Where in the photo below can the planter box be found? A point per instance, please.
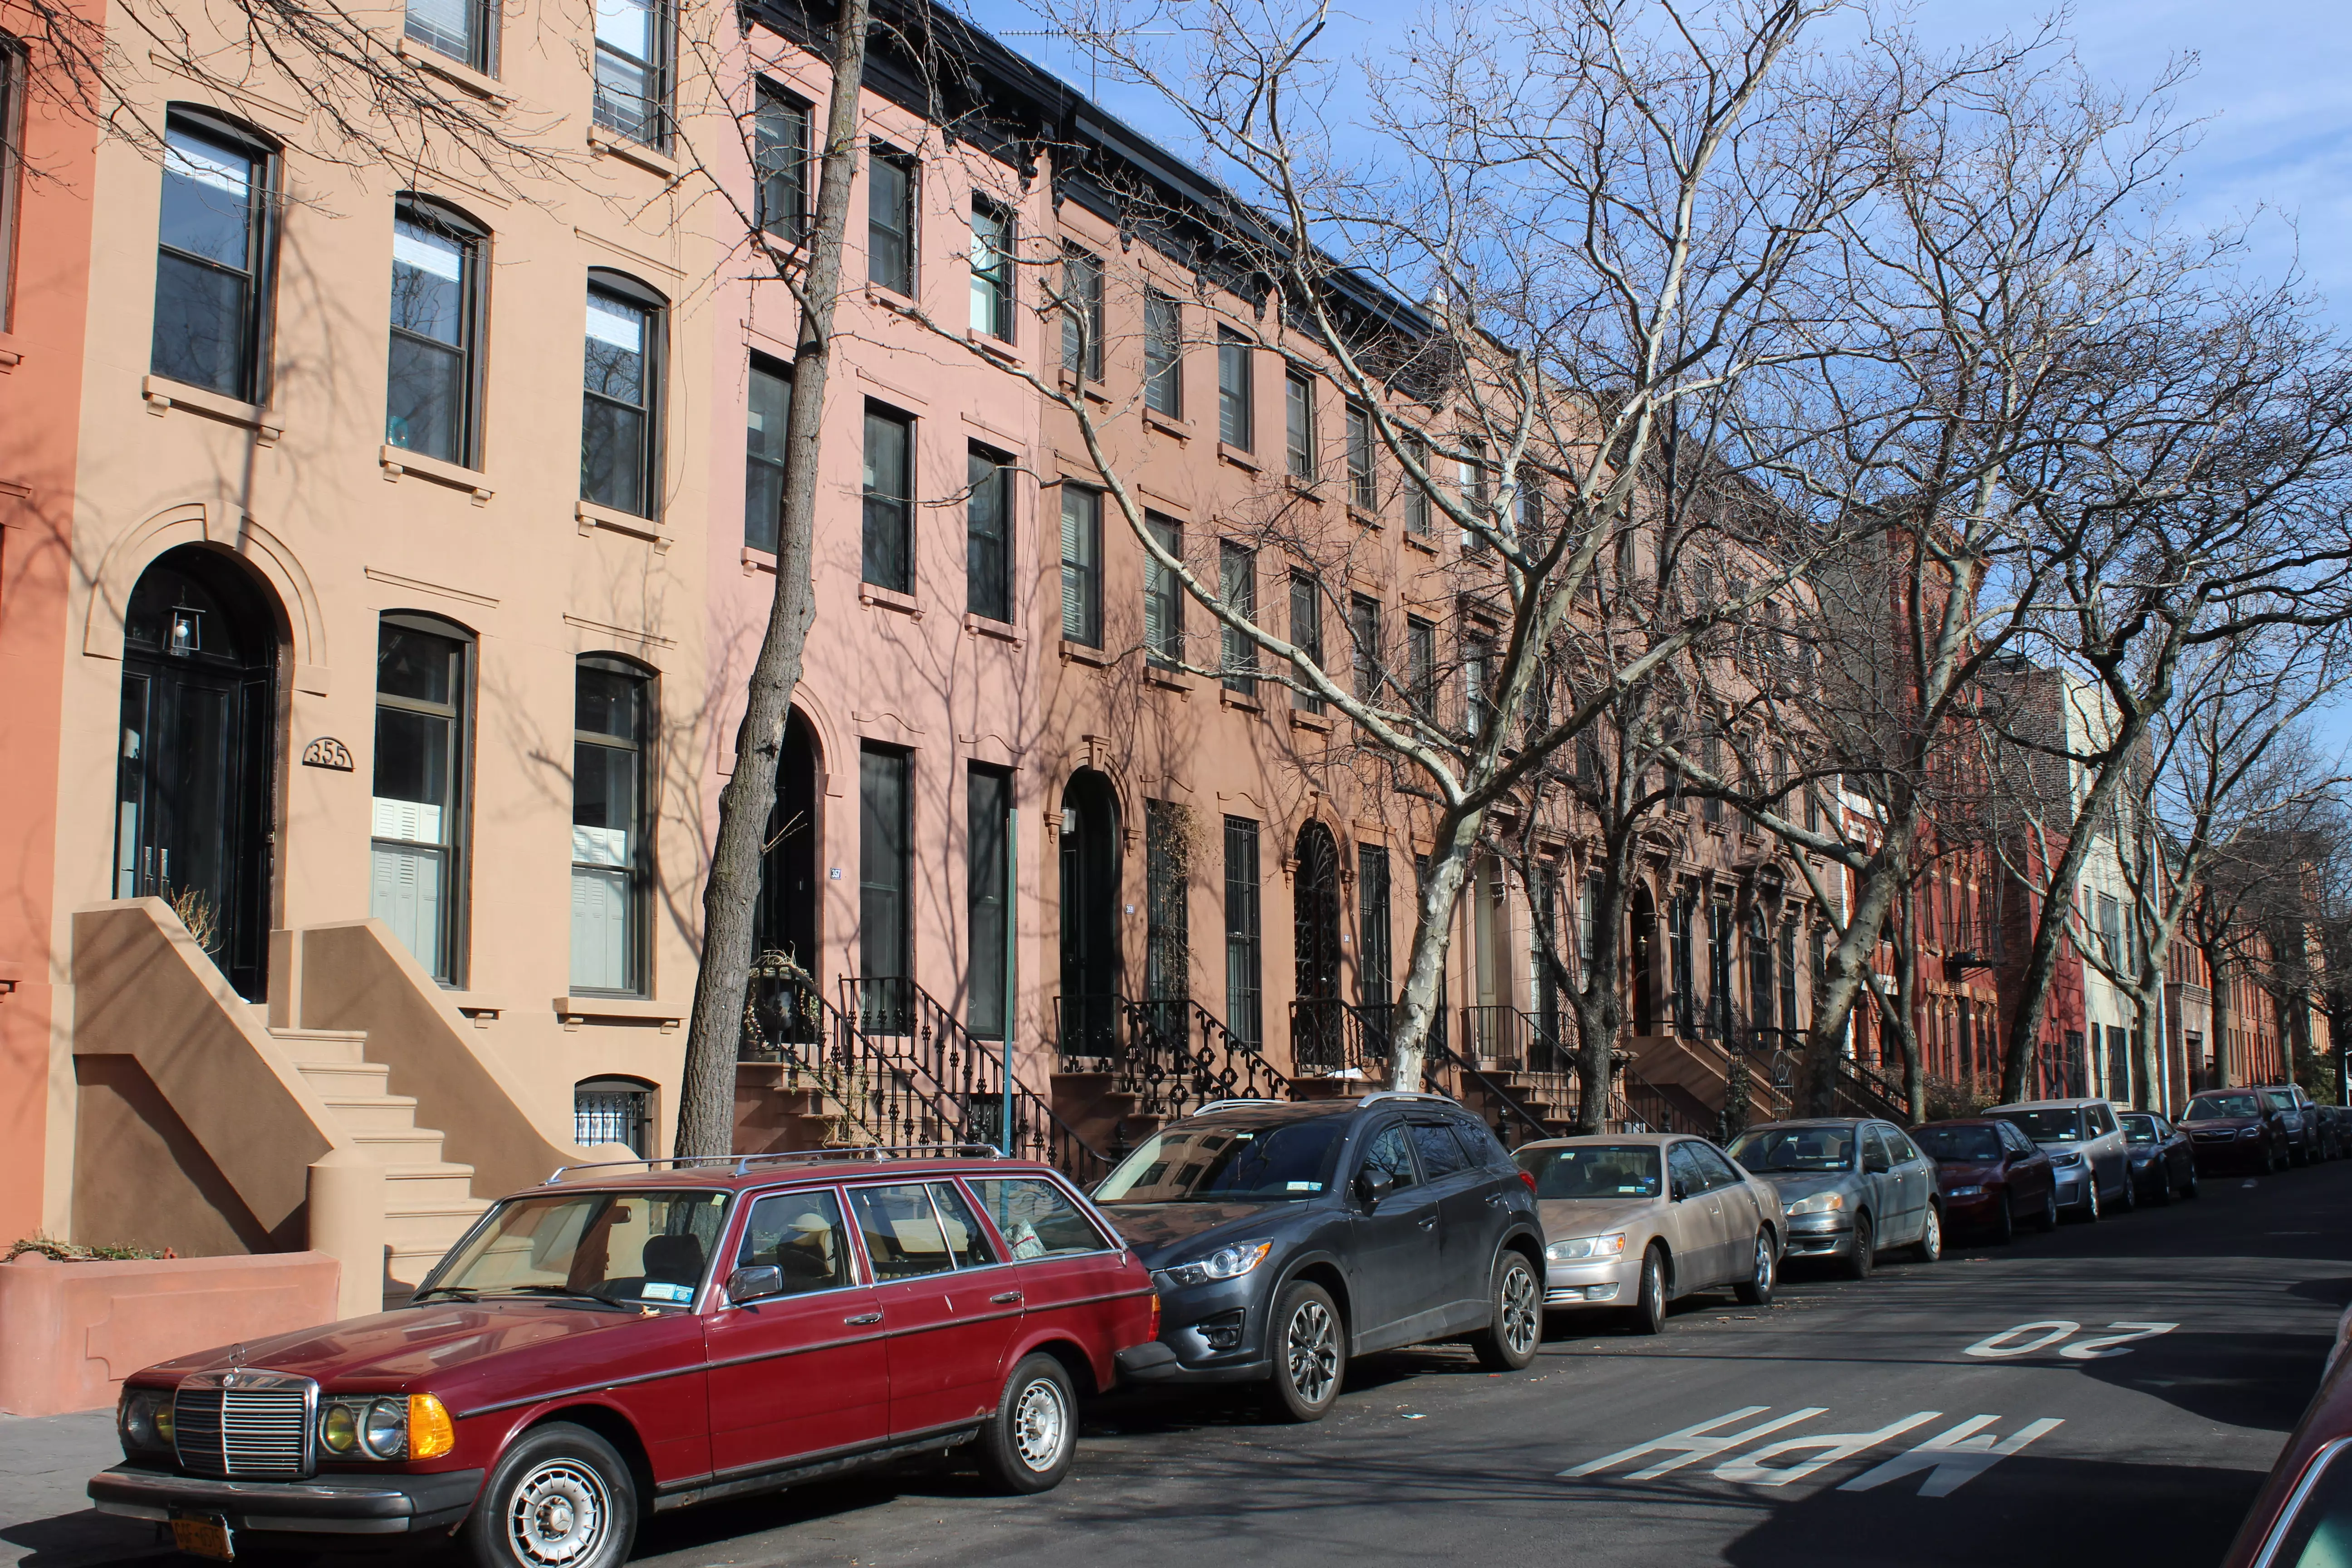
(70, 1332)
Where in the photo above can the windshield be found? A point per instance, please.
(2138, 1128)
(1960, 1143)
(1776, 1148)
(1593, 1170)
(623, 1246)
(1281, 1163)
(2048, 1126)
(2213, 1107)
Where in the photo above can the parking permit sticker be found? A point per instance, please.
(656, 1290)
(1303, 1186)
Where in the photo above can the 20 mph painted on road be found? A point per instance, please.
(2051, 1330)
(1951, 1458)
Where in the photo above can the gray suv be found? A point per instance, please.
(2086, 1148)
(1286, 1237)
(1848, 1189)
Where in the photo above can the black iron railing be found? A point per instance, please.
(1331, 1036)
(1178, 1056)
(1516, 1122)
(1087, 1028)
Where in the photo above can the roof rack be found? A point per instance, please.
(1230, 1104)
(1381, 1094)
(742, 1163)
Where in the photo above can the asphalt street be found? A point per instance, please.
(2112, 1393)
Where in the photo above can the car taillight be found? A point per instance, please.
(1155, 1314)
(1529, 1180)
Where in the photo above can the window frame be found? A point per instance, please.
(621, 288)
(1237, 392)
(998, 868)
(1082, 312)
(769, 96)
(1245, 913)
(998, 279)
(642, 866)
(423, 212)
(1307, 594)
(1363, 467)
(646, 1094)
(661, 109)
(1000, 476)
(1163, 596)
(262, 230)
(1418, 519)
(1163, 355)
(1086, 627)
(481, 53)
(1420, 665)
(456, 931)
(1237, 654)
(14, 75)
(869, 498)
(1364, 635)
(881, 154)
(760, 364)
(1298, 426)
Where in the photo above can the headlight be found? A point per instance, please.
(364, 1427)
(1819, 1202)
(2066, 1162)
(1964, 1192)
(339, 1430)
(145, 1419)
(1225, 1263)
(1584, 1248)
(385, 1431)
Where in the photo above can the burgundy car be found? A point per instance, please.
(616, 1342)
(1991, 1176)
(2303, 1516)
(2232, 1128)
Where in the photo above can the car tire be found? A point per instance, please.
(2131, 1191)
(2190, 1191)
(1028, 1443)
(1649, 1313)
(2004, 1225)
(2164, 1192)
(1930, 1245)
(2091, 1215)
(1865, 1257)
(559, 1495)
(1310, 1353)
(2270, 1161)
(1516, 1334)
(1756, 1290)
(2047, 1220)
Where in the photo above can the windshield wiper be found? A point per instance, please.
(456, 1293)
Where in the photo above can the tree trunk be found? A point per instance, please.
(1906, 1012)
(1440, 890)
(2218, 982)
(1848, 971)
(1600, 999)
(705, 1113)
(2145, 1045)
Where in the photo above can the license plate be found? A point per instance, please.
(202, 1535)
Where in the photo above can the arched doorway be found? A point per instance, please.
(1091, 922)
(1318, 1025)
(195, 774)
(785, 919)
(1641, 935)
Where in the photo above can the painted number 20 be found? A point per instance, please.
(2027, 1338)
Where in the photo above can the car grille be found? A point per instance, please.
(244, 1424)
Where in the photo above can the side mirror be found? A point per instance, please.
(1372, 1186)
(761, 1279)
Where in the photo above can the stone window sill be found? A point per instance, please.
(1248, 704)
(398, 461)
(758, 561)
(574, 1011)
(592, 517)
(1239, 456)
(637, 152)
(1301, 720)
(977, 626)
(882, 599)
(455, 72)
(164, 394)
(1363, 519)
(1180, 428)
(1305, 489)
(1168, 680)
(995, 348)
(10, 359)
(1426, 546)
(1079, 653)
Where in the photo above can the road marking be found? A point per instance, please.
(1954, 1459)
(1996, 1347)
(1832, 1445)
(2095, 1350)
(1699, 1442)
(2049, 1331)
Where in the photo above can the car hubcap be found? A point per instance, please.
(559, 1513)
(1039, 1423)
(1520, 1310)
(1763, 1265)
(1312, 1350)
(1934, 1236)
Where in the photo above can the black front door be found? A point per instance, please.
(1090, 916)
(1314, 925)
(193, 785)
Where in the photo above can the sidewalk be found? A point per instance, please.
(46, 1521)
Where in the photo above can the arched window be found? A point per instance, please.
(620, 419)
(419, 814)
(433, 393)
(614, 1111)
(213, 239)
(612, 859)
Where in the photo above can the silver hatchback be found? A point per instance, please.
(2086, 1148)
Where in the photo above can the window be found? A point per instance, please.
(2110, 929)
(801, 1237)
(1082, 313)
(1477, 657)
(1163, 599)
(991, 271)
(904, 1236)
(1391, 1155)
(1235, 418)
(1421, 663)
(1243, 1012)
(1036, 1218)
(889, 559)
(884, 862)
(1298, 425)
(1788, 972)
(765, 420)
(1718, 971)
(1081, 564)
(1470, 476)
(1761, 988)
(611, 864)
(988, 824)
(458, 28)
(437, 284)
(1364, 632)
(211, 254)
(1373, 957)
(889, 221)
(619, 421)
(12, 121)
(1237, 591)
(633, 70)
(988, 533)
(1167, 918)
(1440, 1152)
(1678, 915)
(609, 1109)
(1163, 355)
(1307, 637)
(1363, 478)
(417, 827)
(779, 159)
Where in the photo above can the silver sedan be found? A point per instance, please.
(1631, 1221)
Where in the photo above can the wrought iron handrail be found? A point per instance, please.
(1086, 1027)
(1037, 1131)
(1510, 1113)
(1180, 1054)
(1330, 1035)
(1639, 1100)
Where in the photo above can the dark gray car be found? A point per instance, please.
(1849, 1188)
(2086, 1149)
(1284, 1239)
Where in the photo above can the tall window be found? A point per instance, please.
(1163, 355)
(633, 70)
(417, 823)
(1298, 425)
(1788, 973)
(765, 421)
(1416, 498)
(1081, 564)
(1235, 418)
(988, 534)
(1477, 660)
(885, 863)
(1237, 591)
(1364, 632)
(1761, 989)
(889, 559)
(780, 162)
(1082, 313)
(1373, 971)
(1678, 917)
(1168, 922)
(1719, 970)
(991, 271)
(436, 285)
(889, 220)
(987, 822)
(1363, 478)
(212, 256)
(12, 120)
(1243, 966)
(1307, 637)
(611, 864)
(1163, 600)
(1420, 665)
(620, 416)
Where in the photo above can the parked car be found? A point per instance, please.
(2335, 1121)
(1991, 1174)
(625, 1339)
(1286, 1238)
(2301, 1518)
(2163, 1161)
(2085, 1145)
(2232, 1128)
(1848, 1189)
(2298, 1119)
(1632, 1222)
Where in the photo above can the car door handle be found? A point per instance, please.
(1005, 1297)
(1427, 1222)
(862, 1319)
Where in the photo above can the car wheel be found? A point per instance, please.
(1756, 1290)
(1650, 1302)
(1027, 1445)
(2190, 1191)
(1865, 1250)
(1310, 1355)
(2131, 1190)
(1511, 1340)
(1930, 1245)
(2270, 1161)
(2047, 1220)
(2164, 1192)
(559, 1497)
(2091, 1205)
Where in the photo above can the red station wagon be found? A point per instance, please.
(619, 1341)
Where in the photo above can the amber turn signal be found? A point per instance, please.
(430, 1431)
